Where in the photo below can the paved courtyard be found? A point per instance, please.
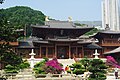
(111, 78)
(27, 75)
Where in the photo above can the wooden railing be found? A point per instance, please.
(11, 43)
(110, 42)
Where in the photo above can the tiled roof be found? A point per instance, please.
(93, 46)
(42, 42)
(110, 32)
(113, 51)
(60, 25)
(64, 40)
(26, 44)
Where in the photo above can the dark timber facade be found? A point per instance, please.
(65, 40)
(58, 38)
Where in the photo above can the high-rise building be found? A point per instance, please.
(110, 14)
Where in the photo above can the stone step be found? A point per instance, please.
(25, 73)
(66, 62)
(25, 76)
(113, 74)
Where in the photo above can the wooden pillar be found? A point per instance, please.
(82, 52)
(40, 52)
(46, 51)
(79, 53)
(55, 51)
(69, 51)
(76, 52)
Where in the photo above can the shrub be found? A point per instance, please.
(11, 69)
(39, 70)
(78, 71)
(111, 62)
(85, 62)
(77, 68)
(53, 66)
(24, 64)
(97, 68)
(38, 67)
(48, 66)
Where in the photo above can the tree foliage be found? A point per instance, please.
(7, 34)
(53, 66)
(77, 68)
(85, 62)
(48, 66)
(78, 24)
(8, 56)
(11, 19)
(97, 67)
(112, 62)
(91, 32)
(21, 15)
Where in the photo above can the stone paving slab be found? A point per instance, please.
(111, 78)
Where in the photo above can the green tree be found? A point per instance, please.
(78, 24)
(22, 17)
(39, 67)
(7, 34)
(6, 31)
(97, 67)
(91, 32)
(85, 62)
(77, 68)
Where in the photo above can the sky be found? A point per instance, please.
(79, 10)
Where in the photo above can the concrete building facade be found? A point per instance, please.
(110, 14)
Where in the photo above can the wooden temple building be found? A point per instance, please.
(110, 43)
(108, 40)
(56, 38)
(65, 40)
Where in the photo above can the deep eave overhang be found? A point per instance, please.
(117, 50)
(108, 32)
(41, 42)
(63, 40)
(47, 27)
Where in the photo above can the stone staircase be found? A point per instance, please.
(66, 62)
(112, 73)
(26, 74)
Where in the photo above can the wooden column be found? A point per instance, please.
(46, 51)
(79, 54)
(40, 52)
(69, 51)
(82, 52)
(76, 52)
(55, 51)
